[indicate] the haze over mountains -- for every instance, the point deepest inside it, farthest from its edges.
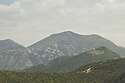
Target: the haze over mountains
(15, 57)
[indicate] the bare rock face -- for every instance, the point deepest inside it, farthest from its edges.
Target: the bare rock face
(13, 56)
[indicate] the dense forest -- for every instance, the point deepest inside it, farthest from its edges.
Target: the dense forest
(112, 71)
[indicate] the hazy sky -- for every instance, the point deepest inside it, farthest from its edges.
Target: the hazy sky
(27, 21)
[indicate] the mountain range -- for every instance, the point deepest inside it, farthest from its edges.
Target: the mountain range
(68, 64)
(14, 56)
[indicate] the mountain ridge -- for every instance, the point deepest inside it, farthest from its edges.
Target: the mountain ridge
(70, 44)
(71, 63)
(10, 44)
(57, 45)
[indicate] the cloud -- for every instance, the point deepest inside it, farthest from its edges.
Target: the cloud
(43, 17)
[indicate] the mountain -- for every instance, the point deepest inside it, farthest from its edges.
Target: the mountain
(69, 44)
(13, 56)
(66, 64)
(9, 44)
(111, 71)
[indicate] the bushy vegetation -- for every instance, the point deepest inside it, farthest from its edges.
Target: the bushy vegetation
(95, 77)
(102, 72)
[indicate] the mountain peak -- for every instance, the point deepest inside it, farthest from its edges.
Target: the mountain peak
(103, 51)
(9, 44)
(69, 32)
(66, 33)
(6, 40)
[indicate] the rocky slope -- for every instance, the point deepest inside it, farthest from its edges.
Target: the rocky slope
(65, 64)
(69, 44)
(13, 56)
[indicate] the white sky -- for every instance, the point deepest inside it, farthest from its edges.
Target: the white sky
(27, 21)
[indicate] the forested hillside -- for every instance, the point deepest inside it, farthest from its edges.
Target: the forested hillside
(112, 71)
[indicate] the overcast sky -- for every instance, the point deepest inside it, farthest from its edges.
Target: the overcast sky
(27, 21)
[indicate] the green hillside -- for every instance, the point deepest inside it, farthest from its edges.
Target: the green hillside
(112, 71)
(66, 64)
